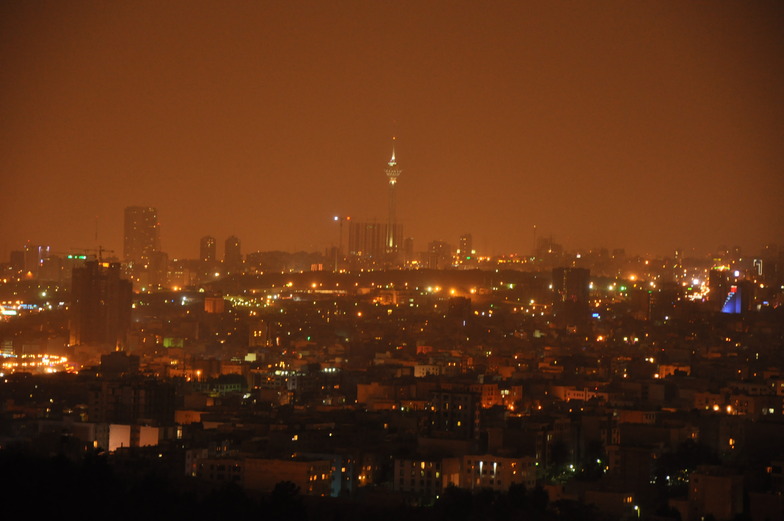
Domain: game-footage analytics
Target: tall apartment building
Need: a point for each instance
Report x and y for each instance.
(100, 305)
(141, 235)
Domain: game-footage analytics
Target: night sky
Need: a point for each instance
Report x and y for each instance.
(639, 125)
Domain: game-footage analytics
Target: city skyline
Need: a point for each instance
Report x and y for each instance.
(624, 126)
(343, 242)
(379, 260)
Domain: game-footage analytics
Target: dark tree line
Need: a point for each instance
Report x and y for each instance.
(92, 488)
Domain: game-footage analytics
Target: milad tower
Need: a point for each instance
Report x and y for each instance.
(393, 172)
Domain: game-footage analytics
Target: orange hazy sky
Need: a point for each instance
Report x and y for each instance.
(640, 125)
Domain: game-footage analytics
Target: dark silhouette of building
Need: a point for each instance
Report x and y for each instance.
(207, 249)
(408, 250)
(548, 252)
(571, 291)
(719, 284)
(232, 254)
(367, 242)
(665, 301)
(158, 269)
(454, 414)
(459, 308)
(142, 237)
(717, 491)
(17, 260)
(100, 305)
(131, 400)
(439, 255)
(34, 257)
(119, 363)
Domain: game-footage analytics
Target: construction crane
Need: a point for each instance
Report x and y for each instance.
(100, 251)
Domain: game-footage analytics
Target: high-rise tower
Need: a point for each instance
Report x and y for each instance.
(465, 251)
(232, 255)
(100, 305)
(34, 257)
(207, 249)
(571, 297)
(393, 172)
(141, 237)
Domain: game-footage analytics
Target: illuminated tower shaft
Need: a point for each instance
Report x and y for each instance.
(392, 218)
(393, 172)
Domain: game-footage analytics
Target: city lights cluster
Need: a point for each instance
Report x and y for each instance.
(39, 363)
(13, 308)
